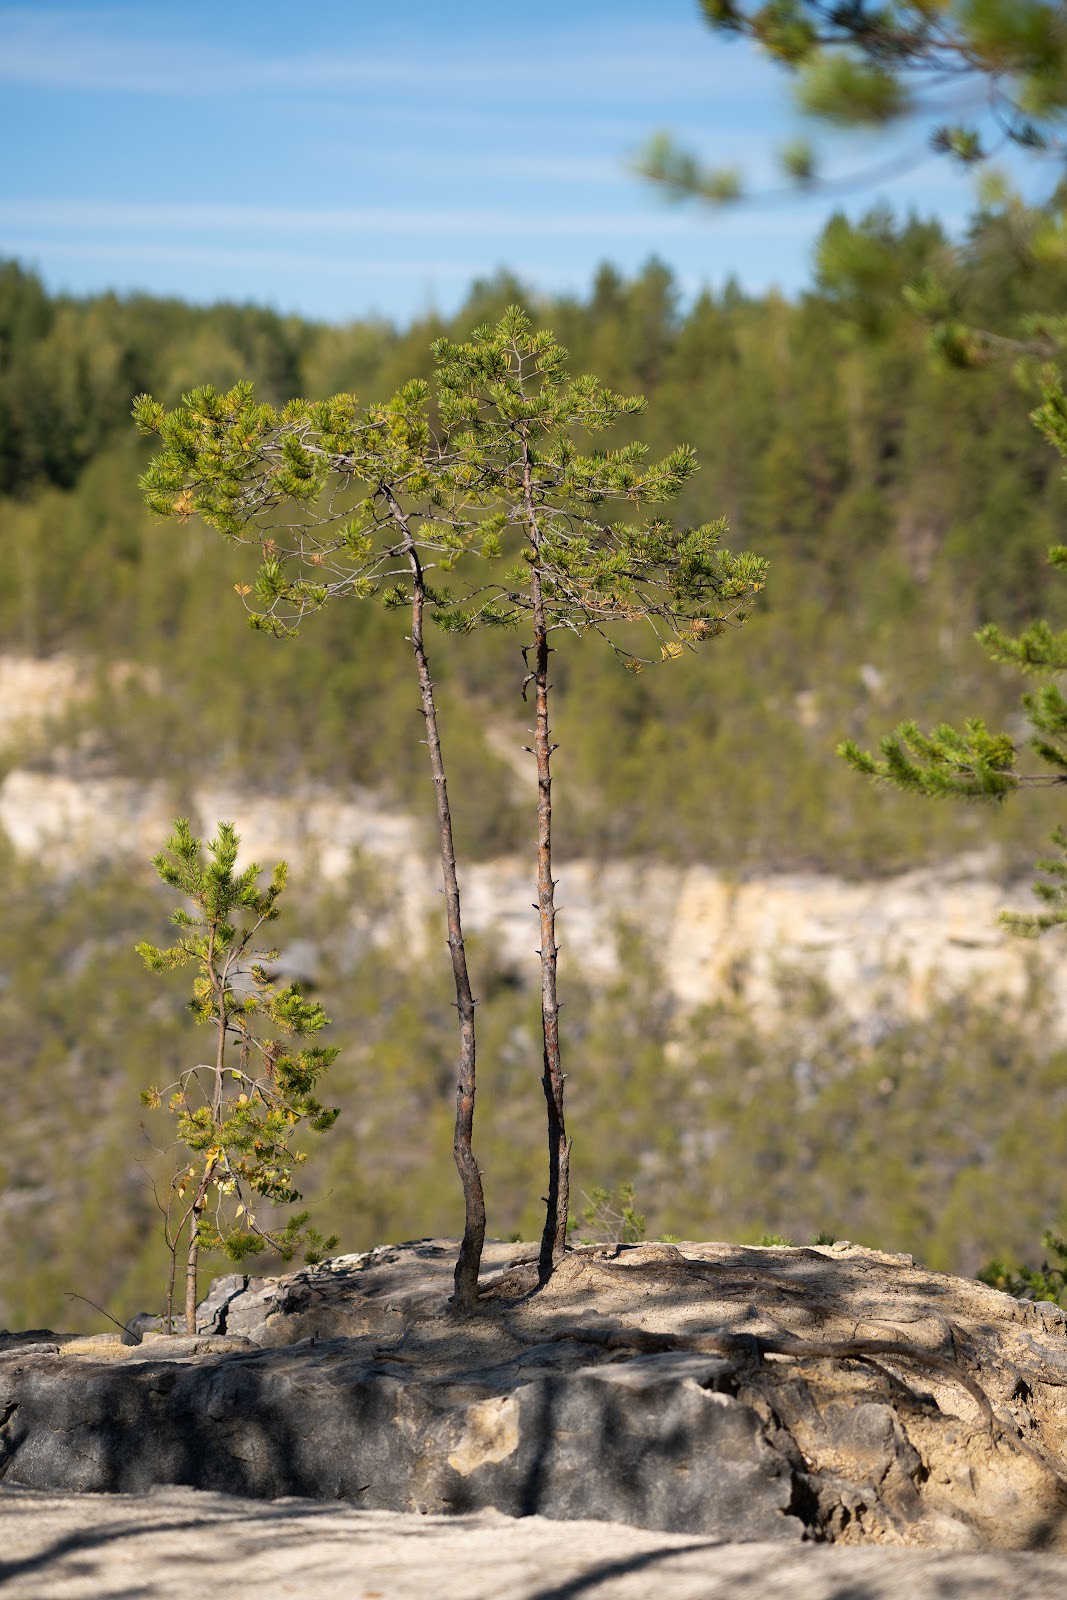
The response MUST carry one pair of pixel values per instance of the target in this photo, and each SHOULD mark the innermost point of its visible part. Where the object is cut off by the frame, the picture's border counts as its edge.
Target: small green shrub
(611, 1218)
(1032, 1283)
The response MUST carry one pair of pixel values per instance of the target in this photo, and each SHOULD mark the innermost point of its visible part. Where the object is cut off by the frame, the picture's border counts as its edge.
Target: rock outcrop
(687, 1388)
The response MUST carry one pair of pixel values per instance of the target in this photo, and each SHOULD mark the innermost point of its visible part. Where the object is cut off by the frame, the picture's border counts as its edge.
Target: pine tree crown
(335, 495)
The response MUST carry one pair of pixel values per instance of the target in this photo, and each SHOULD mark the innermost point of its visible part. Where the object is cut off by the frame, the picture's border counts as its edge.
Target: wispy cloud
(553, 169)
(422, 222)
(149, 52)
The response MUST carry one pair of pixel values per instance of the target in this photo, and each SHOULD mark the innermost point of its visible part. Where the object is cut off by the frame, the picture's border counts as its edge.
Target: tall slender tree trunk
(190, 1270)
(470, 1252)
(554, 1237)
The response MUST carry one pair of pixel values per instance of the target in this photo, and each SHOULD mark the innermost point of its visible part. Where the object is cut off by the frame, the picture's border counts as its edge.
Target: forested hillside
(900, 503)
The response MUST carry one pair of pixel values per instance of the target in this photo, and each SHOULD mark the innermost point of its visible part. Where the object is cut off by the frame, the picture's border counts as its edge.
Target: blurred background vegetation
(901, 504)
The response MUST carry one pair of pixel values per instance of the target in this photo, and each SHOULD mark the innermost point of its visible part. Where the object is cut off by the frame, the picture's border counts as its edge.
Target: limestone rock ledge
(352, 1381)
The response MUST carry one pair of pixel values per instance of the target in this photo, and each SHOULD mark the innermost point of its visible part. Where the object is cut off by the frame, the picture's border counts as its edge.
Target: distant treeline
(900, 503)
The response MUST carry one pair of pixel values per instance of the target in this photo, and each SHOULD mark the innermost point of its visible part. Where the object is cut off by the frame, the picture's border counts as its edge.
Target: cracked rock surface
(589, 1399)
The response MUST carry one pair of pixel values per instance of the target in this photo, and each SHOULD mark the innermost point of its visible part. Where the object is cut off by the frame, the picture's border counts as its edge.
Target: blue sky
(340, 159)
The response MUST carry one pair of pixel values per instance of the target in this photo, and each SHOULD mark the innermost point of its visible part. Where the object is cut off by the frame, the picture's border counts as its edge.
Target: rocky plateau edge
(682, 1388)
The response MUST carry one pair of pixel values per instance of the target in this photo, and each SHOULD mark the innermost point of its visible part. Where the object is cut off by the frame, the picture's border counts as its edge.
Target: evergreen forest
(901, 503)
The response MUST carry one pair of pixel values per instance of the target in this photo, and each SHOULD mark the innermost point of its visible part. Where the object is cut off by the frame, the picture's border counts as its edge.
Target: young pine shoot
(237, 1115)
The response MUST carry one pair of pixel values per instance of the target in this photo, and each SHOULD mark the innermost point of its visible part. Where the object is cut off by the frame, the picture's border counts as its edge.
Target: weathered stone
(82, 1547)
(211, 1314)
(362, 1385)
(645, 1444)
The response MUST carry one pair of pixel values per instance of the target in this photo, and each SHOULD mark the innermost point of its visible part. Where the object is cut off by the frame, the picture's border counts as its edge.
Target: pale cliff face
(890, 946)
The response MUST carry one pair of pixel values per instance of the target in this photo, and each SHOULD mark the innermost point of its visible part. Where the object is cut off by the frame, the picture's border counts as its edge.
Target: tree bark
(557, 1201)
(470, 1252)
(193, 1253)
(190, 1272)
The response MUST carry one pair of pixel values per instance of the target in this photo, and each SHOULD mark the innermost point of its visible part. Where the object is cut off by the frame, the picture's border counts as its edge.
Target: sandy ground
(181, 1542)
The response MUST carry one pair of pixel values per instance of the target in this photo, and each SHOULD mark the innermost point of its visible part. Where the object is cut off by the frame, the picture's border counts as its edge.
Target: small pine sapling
(610, 1218)
(1032, 1283)
(237, 1116)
